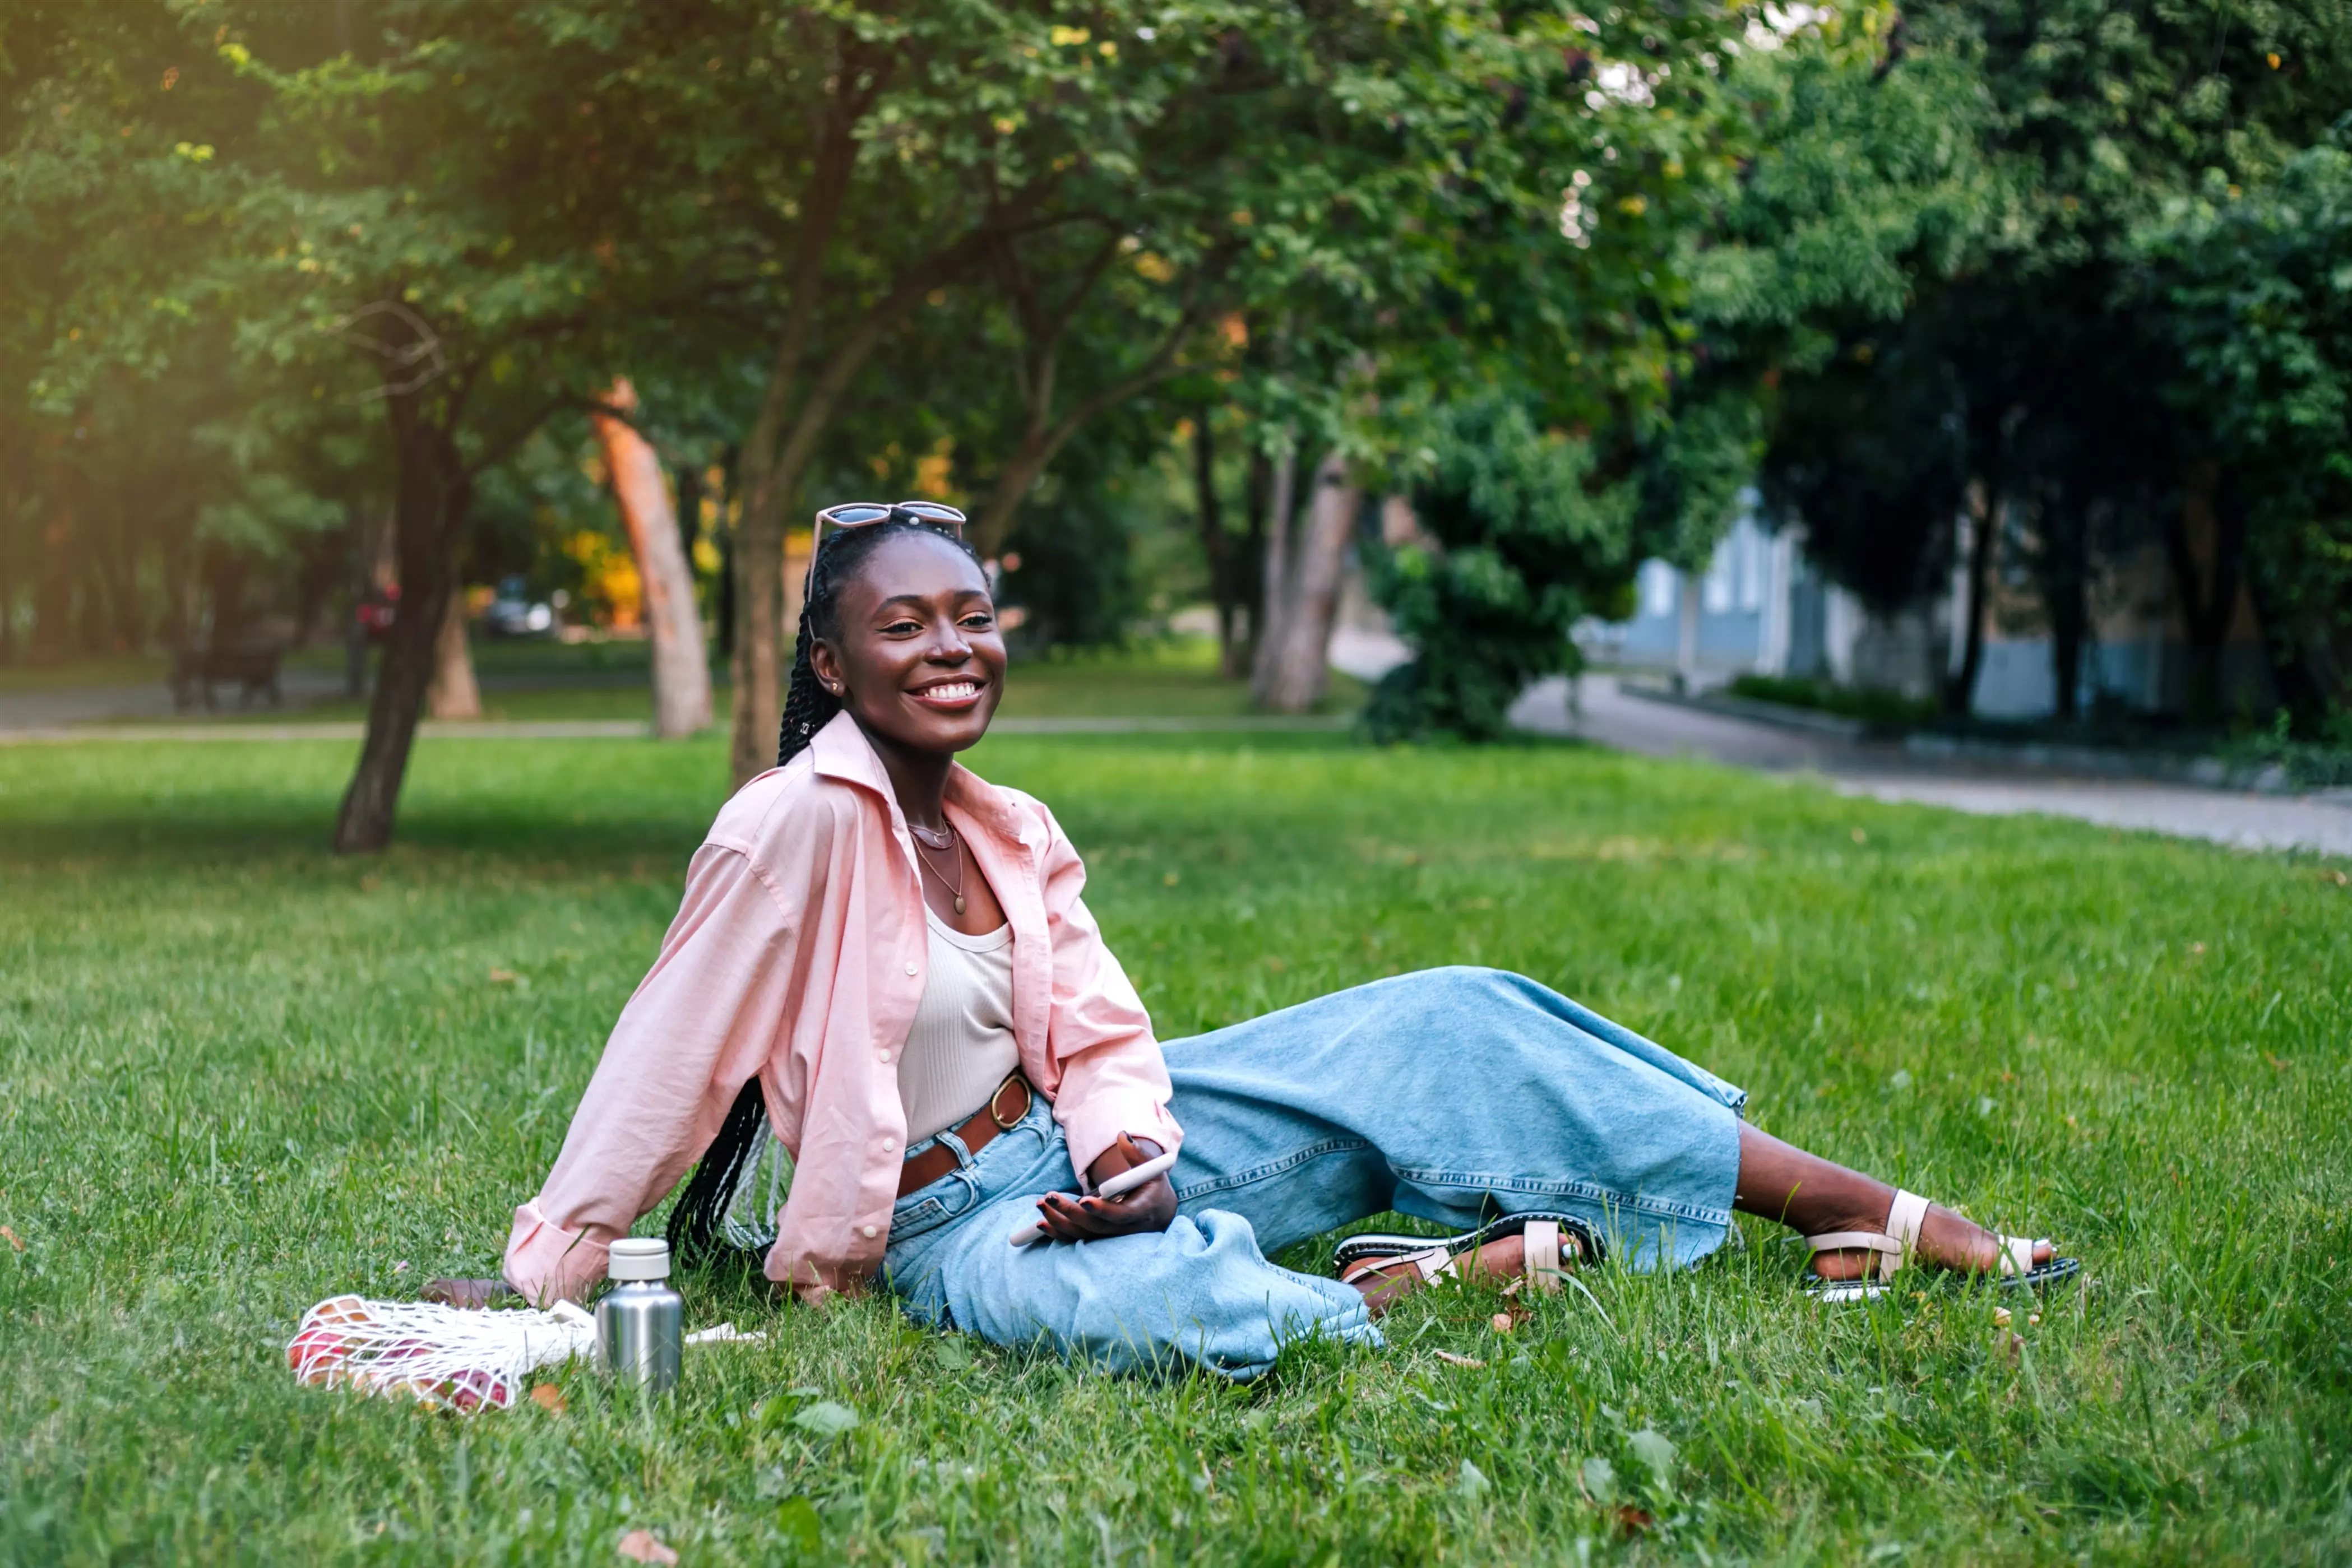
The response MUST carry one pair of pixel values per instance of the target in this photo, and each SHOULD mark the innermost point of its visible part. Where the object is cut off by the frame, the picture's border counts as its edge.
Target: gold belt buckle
(997, 1116)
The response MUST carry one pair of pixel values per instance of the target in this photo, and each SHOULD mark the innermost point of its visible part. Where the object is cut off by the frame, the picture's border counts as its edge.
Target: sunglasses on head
(865, 513)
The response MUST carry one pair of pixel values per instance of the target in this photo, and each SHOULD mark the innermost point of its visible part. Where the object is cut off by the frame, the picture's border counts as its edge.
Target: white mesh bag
(447, 1357)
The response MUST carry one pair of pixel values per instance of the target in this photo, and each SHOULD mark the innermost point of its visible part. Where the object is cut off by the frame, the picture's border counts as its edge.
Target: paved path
(1611, 717)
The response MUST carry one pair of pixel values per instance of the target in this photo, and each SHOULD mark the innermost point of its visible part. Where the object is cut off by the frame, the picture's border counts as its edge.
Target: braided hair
(696, 1223)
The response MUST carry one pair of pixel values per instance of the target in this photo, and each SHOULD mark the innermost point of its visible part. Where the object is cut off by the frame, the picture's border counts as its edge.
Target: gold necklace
(922, 839)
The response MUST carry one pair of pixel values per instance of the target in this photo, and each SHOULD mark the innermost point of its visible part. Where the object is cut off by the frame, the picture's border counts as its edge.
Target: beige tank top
(962, 1045)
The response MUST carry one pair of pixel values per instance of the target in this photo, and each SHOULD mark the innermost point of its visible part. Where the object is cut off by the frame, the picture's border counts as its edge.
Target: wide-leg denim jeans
(1453, 1094)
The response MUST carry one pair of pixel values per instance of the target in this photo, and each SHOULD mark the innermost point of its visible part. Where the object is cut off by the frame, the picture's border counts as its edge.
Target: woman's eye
(901, 628)
(979, 619)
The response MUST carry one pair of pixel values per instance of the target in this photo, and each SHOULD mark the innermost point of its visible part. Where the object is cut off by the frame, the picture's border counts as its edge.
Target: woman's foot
(1384, 1284)
(1946, 1240)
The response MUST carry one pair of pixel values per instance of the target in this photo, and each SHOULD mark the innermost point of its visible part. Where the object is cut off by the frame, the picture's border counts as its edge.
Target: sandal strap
(1904, 1218)
(2017, 1255)
(1541, 1241)
(1894, 1244)
(1430, 1263)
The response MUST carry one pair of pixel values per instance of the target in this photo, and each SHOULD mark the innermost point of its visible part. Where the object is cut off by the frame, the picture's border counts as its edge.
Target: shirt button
(910, 967)
(889, 1143)
(885, 1058)
(867, 1231)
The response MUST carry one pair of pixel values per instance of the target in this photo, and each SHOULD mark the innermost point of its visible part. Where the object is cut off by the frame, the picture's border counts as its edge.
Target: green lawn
(237, 1075)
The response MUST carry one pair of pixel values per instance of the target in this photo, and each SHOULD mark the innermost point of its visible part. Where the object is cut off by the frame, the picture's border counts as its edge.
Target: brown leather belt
(983, 1125)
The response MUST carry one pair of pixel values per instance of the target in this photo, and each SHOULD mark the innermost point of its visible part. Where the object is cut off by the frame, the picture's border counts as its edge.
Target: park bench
(250, 663)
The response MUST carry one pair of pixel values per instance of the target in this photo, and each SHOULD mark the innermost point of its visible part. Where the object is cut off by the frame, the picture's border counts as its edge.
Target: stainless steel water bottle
(641, 1322)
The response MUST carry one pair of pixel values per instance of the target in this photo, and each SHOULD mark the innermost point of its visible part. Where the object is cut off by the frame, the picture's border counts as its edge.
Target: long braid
(701, 1212)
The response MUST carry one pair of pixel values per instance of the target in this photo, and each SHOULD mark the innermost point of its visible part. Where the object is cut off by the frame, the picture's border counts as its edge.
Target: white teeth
(954, 692)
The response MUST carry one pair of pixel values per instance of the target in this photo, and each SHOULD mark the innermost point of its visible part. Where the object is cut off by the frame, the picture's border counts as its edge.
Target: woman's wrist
(1124, 1154)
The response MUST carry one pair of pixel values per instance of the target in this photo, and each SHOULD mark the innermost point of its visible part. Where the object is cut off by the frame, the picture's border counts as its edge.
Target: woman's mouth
(951, 694)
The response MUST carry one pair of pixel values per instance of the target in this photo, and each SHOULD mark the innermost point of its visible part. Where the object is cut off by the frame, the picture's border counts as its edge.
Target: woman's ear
(826, 665)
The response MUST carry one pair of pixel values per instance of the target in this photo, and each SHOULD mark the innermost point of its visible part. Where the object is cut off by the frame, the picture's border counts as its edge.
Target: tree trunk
(1302, 672)
(1275, 605)
(681, 666)
(434, 497)
(1224, 588)
(1985, 515)
(453, 691)
(12, 520)
(2066, 600)
(53, 580)
(2204, 546)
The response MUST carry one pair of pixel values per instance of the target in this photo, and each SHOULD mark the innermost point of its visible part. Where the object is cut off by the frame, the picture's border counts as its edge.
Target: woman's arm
(1113, 1079)
(709, 1015)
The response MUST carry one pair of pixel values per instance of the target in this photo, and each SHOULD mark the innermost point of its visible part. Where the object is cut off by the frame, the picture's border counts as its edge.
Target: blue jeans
(1453, 1095)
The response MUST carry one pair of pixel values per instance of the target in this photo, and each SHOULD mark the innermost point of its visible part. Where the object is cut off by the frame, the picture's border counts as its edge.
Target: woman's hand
(1150, 1207)
(475, 1295)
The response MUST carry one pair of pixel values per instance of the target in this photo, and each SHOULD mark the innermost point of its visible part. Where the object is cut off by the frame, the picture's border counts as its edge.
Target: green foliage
(1974, 273)
(2252, 291)
(1521, 542)
(242, 1076)
(1885, 712)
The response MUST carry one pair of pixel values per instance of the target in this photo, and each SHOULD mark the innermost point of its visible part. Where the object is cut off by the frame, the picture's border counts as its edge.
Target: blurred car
(514, 614)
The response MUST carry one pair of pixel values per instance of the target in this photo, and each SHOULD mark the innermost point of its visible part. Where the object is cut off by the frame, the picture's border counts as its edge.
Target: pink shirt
(797, 956)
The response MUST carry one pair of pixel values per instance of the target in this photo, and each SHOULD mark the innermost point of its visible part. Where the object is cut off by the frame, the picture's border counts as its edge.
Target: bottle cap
(639, 1258)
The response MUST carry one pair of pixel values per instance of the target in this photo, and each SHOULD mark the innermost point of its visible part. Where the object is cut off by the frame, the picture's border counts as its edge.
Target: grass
(237, 1075)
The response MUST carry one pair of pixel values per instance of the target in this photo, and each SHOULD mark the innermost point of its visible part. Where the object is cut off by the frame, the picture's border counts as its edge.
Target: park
(1370, 432)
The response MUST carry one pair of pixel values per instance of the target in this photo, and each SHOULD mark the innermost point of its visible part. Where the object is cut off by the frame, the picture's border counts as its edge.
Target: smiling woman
(890, 961)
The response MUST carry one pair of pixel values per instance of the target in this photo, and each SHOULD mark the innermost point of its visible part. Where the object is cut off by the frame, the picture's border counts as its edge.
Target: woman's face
(915, 654)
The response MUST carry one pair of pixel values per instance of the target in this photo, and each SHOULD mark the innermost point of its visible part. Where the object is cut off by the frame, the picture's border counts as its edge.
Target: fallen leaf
(1654, 1449)
(507, 977)
(2033, 1317)
(2000, 1317)
(826, 1419)
(1449, 1359)
(401, 1267)
(645, 1547)
(1502, 1322)
(14, 1239)
(548, 1398)
(1632, 1522)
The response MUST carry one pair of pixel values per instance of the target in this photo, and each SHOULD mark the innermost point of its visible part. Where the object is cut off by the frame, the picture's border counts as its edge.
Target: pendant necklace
(943, 840)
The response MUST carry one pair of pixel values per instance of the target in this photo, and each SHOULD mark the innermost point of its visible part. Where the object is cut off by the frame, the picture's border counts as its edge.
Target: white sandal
(2015, 1268)
(1540, 1234)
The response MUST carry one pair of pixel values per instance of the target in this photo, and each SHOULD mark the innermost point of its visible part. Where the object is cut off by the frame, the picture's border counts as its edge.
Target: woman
(891, 961)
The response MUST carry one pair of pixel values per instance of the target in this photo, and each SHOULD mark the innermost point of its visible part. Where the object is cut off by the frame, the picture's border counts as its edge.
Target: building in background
(1761, 607)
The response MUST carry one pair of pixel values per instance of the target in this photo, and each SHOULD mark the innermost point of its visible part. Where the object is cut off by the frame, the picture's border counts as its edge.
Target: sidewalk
(1884, 771)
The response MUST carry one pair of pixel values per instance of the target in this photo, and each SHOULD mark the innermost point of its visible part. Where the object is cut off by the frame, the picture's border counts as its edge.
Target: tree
(2062, 425)
(2251, 289)
(1524, 541)
(681, 668)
